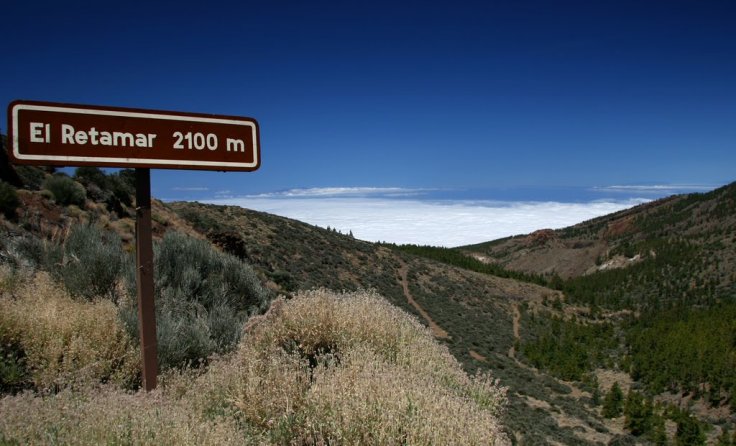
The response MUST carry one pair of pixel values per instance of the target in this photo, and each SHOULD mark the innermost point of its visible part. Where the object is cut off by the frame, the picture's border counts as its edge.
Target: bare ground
(438, 331)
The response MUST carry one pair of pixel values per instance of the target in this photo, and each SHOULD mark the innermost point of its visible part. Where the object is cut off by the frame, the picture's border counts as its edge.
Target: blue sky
(419, 95)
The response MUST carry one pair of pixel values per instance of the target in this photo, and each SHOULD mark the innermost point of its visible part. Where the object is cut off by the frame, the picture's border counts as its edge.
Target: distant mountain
(680, 247)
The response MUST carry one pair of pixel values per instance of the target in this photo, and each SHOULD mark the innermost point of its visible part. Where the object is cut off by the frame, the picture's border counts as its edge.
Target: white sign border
(129, 114)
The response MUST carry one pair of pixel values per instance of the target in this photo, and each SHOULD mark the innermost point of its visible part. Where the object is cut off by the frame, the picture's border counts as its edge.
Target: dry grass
(327, 368)
(109, 416)
(322, 368)
(66, 341)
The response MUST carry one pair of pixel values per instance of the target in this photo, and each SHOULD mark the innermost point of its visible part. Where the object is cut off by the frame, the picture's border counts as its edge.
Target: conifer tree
(689, 432)
(613, 402)
(596, 396)
(638, 413)
(725, 438)
(657, 434)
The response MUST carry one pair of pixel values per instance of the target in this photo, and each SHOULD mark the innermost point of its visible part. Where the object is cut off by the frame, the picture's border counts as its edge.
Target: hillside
(473, 314)
(670, 267)
(704, 224)
(557, 353)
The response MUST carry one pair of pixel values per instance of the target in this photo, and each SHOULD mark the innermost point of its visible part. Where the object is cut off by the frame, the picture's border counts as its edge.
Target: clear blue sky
(407, 94)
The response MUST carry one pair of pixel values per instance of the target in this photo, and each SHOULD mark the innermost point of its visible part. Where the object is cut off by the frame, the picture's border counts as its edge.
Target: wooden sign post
(51, 134)
(144, 277)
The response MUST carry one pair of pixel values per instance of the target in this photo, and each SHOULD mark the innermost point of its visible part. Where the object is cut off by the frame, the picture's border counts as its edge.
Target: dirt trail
(437, 331)
(477, 356)
(517, 336)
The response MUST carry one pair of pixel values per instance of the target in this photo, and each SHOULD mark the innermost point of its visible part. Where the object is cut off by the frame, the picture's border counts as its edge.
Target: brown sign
(46, 133)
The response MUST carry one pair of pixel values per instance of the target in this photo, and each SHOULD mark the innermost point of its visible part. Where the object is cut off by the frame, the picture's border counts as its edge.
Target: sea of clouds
(401, 215)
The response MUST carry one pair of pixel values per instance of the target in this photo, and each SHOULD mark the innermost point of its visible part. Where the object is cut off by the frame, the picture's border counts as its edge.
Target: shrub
(63, 341)
(689, 431)
(386, 382)
(92, 263)
(32, 177)
(326, 368)
(91, 175)
(65, 190)
(203, 297)
(34, 253)
(111, 417)
(9, 201)
(94, 181)
(122, 186)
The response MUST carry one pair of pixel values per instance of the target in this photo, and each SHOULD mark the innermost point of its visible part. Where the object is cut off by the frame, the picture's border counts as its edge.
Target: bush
(689, 431)
(92, 264)
(122, 186)
(61, 342)
(114, 188)
(65, 190)
(351, 369)
(34, 253)
(32, 177)
(386, 382)
(9, 201)
(203, 297)
(94, 181)
(112, 417)
(91, 175)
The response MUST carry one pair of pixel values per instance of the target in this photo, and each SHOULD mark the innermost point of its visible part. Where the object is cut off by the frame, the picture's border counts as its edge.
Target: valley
(558, 330)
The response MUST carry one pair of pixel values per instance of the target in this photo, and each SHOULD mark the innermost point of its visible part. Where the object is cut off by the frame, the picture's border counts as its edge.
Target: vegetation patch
(203, 297)
(383, 380)
(59, 341)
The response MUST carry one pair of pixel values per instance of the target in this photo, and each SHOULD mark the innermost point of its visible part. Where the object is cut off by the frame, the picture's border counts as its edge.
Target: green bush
(13, 370)
(92, 263)
(122, 185)
(34, 253)
(116, 187)
(689, 432)
(91, 175)
(94, 181)
(9, 201)
(203, 297)
(32, 177)
(65, 190)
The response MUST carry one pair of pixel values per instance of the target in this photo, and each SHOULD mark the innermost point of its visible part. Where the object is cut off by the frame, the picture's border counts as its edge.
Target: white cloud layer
(190, 189)
(656, 188)
(321, 192)
(439, 223)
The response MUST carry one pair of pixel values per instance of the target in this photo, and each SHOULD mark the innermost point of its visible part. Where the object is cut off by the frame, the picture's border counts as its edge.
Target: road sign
(45, 133)
(50, 134)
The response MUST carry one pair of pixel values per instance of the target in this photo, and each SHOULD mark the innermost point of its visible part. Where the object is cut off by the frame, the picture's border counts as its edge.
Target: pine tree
(725, 439)
(657, 434)
(596, 396)
(638, 413)
(689, 432)
(613, 402)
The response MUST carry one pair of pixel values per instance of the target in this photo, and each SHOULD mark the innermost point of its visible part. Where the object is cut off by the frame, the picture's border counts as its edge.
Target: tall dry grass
(65, 341)
(112, 417)
(322, 368)
(354, 370)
